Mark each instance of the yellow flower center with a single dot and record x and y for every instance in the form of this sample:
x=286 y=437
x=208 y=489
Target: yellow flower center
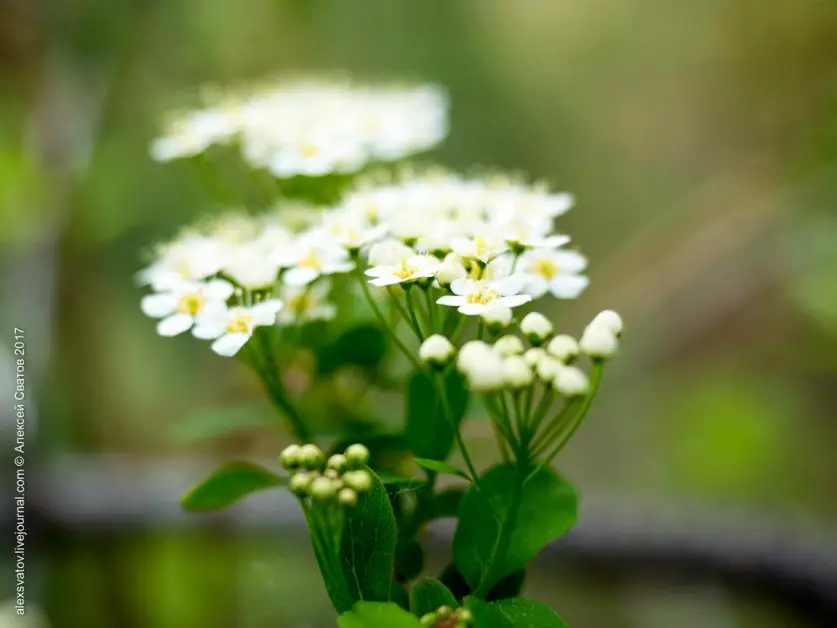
x=301 y=303
x=405 y=271
x=310 y=261
x=545 y=268
x=190 y=303
x=309 y=149
x=239 y=324
x=483 y=296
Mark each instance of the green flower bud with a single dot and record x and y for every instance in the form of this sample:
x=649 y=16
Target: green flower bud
x=322 y=489
x=429 y=620
x=300 y=482
x=332 y=474
x=443 y=612
x=357 y=455
x=464 y=616
x=360 y=481
x=337 y=462
x=311 y=457
x=289 y=457
x=347 y=497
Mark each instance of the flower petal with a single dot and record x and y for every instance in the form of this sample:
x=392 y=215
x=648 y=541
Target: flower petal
x=229 y=344
x=299 y=276
x=265 y=313
x=472 y=309
x=462 y=286
x=175 y=324
x=158 y=305
x=450 y=299
x=514 y=300
x=218 y=289
x=208 y=330
x=568 y=286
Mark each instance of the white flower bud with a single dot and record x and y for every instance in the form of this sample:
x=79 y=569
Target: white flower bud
x=290 y=458
x=547 y=368
x=598 y=341
x=436 y=350
x=563 y=348
x=534 y=355
x=497 y=318
x=609 y=319
x=337 y=462
x=357 y=455
x=347 y=497
x=389 y=253
x=311 y=457
x=360 y=481
x=485 y=372
x=517 y=373
x=536 y=327
x=450 y=270
x=571 y=382
x=300 y=482
x=470 y=353
x=508 y=345
x=322 y=488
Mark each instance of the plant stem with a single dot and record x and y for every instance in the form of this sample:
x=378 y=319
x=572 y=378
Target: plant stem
x=412 y=310
x=403 y=312
x=431 y=308
x=443 y=396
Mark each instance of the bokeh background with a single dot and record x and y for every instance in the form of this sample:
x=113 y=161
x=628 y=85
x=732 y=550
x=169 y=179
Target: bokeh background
x=700 y=139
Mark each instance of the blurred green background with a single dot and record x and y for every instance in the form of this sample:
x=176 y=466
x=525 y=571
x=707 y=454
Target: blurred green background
x=700 y=139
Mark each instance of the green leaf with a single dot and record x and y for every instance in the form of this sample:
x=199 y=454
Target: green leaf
x=428 y=595
x=530 y=517
x=361 y=569
x=363 y=346
x=377 y=615
x=229 y=484
x=446 y=503
x=389 y=478
x=409 y=559
x=428 y=432
x=486 y=615
x=525 y=613
x=440 y=466
x=219 y=422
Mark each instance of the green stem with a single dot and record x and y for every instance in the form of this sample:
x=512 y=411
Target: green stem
x=460 y=442
x=412 y=310
x=431 y=308
x=403 y=312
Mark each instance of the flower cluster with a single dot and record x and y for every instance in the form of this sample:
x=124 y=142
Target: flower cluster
x=447 y=617
x=339 y=478
x=312 y=128
x=482 y=245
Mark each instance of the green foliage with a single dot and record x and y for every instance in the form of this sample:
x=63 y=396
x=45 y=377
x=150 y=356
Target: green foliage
x=363 y=346
x=438 y=466
x=377 y=615
x=429 y=433
x=229 y=484
x=503 y=525
x=218 y=422
x=513 y=613
x=428 y=595
x=409 y=559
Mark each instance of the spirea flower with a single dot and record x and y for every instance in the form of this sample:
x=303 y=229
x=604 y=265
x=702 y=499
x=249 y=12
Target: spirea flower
x=436 y=350
x=231 y=328
x=555 y=271
x=563 y=348
x=312 y=128
x=517 y=373
x=610 y=320
x=571 y=382
x=407 y=271
x=598 y=340
x=474 y=297
x=536 y=327
x=180 y=305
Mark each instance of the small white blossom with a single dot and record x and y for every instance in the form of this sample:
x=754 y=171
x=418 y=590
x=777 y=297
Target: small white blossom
x=179 y=307
x=231 y=328
x=470 y=353
x=598 y=341
x=517 y=373
x=483 y=247
x=563 y=348
x=609 y=319
x=410 y=270
x=192 y=257
x=536 y=327
x=306 y=303
x=436 y=350
x=483 y=371
x=571 y=382
x=311 y=257
x=450 y=270
x=473 y=297
x=497 y=317
x=508 y=346
x=389 y=253
x=555 y=271
x=250 y=267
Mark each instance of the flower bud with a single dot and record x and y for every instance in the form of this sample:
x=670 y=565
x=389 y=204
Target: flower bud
x=322 y=489
x=332 y=474
x=450 y=270
x=547 y=368
x=436 y=351
x=470 y=353
x=464 y=616
x=611 y=320
x=508 y=345
x=517 y=373
x=484 y=372
x=347 y=497
x=563 y=348
x=360 y=481
x=443 y=612
x=534 y=355
x=337 y=462
x=571 y=382
x=300 y=482
x=290 y=457
x=428 y=620
x=356 y=456
x=598 y=341
x=536 y=327
x=311 y=457
x=497 y=318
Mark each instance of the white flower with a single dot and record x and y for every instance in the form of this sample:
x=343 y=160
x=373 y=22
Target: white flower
x=517 y=373
x=312 y=256
x=179 y=306
x=450 y=270
x=563 y=348
x=232 y=327
x=194 y=133
x=475 y=297
x=351 y=232
x=609 y=319
x=189 y=258
x=305 y=303
x=436 y=350
x=497 y=317
x=571 y=382
x=598 y=341
x=554 y=271
x=484 y=246
x=536 y=327
x=483 y=369
x=250 y=266
x=409 y=270
x=470 y=353
x=389 y=253
x=508 y=346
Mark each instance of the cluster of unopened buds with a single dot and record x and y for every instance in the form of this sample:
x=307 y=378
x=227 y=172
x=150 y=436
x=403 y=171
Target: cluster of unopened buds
x=447 y=617
x=339 y=478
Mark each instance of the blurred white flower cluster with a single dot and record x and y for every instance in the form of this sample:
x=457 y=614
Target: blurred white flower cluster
x=312 y=128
